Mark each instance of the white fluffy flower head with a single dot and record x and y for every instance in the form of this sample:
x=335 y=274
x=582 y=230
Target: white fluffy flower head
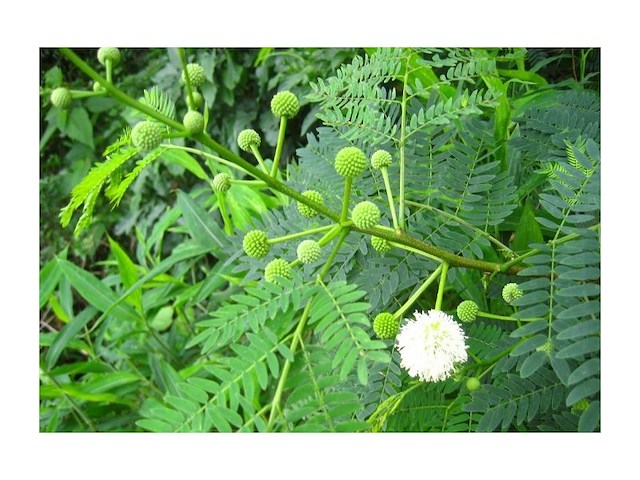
x=431 y=345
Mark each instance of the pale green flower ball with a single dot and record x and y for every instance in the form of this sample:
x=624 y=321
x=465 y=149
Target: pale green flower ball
x=196 y=75
x=277 y=268
x=467 y=311
x=146 y=135
x=365 y=215
x=350 y=162
x=109 y=53
x=308 y=251
x=222 y=182
x=193 y=121
x=385 y=325
x=248 y=138
x=256 y=244
x=305 y=210
x=285 y=104
x=61 y=97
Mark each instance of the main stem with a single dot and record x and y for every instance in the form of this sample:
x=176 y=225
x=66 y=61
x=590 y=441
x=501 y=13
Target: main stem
x=232 y=158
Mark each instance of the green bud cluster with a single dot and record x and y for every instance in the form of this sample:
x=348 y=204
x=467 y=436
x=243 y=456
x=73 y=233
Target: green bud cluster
x=221 y=182
x=193 y=121
x=467 y=311
x=380 y=159
x=197 y=100
x=473 y=384
x=385 y=325
x=97 y=87
x=580 y=405
x=381 y=245
x=146 y=135
x=248 y=138
x=277 y=268
x=546 y=347
x=61 y=97
x=305 y=210
x=285 y=104
x=365 y=215
x=196 y=74
x=308 y=251
x=511 y=292
x=108 y=53
x=350 y=162
x=256 y=244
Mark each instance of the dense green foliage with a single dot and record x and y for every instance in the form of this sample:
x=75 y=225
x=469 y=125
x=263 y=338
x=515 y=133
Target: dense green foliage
x=171 y=325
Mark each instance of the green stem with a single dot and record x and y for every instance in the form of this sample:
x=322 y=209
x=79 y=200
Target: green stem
x=187 y=80
x=297 y=335
x=416 y=251
x=462 y=222
x=304 y=233
x=509 y=319
x=77 y=94
x=400 y=312
x=275 y=403
x=330 y=235
x=327 y=265
x=249 y=183
x=392 y=207
x=256 y=153
x=279 y=145
x=109 y=65
x=176 y=135
x=222 y=203
x=276 y=185
x=442 y=285
x=118 y=94
x=403 y=126
x=346 y=196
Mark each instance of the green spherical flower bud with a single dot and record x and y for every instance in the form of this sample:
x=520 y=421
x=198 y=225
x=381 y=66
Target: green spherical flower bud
x=277 y=268
x=350 y=162
x=546 y=347
x=467 y=311
x=308 y=251
x=197 y=100
x=380 y=159
x=285 y=104
x=248 y=138
x=97 y=87
x=108 y=53
x=473 y=384
x=365 y=215
x=256 y=244
x=305 y=210
x=381 y=245
x=146 y=135
x=222 y=182
x=580 y=406
x=196 y=75
x=193 y=121
x=511 y=292
x=61 y=97
x=385 y=325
